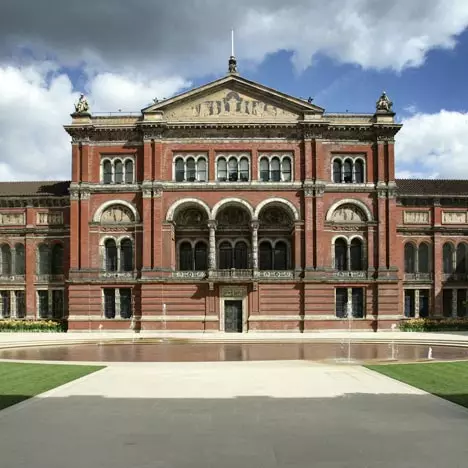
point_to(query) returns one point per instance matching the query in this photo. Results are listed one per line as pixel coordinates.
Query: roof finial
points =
(232, 59)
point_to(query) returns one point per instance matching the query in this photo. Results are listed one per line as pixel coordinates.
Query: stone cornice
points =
(35, 202)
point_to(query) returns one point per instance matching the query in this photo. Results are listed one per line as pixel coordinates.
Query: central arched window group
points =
(190, 168)
(417, 258)
(12, 261)
(50, 259)
(233, 254)
(349, 254)
(118, 255)
(455, 259)
(273, 255)
(233, 168)
(275, 168)
(193, 256)
(348, 170)
(118, 170)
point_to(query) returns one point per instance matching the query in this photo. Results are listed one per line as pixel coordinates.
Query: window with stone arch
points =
(348, 169)
(117, 170)
(20, 259)
(118, 255)
(349, 254)
(275, 168)
(6, 263)
(410, 257)
(274, 255)
(190, 168)
(461, 258)
(43, 259)
(448, 252)
(193, 255)
(233, 167)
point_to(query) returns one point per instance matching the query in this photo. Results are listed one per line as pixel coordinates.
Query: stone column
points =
(117, 302)
(13, 313)
(416, 303)
(454, 303)
(255, 226)
(50, 304)
(13, 261)
(212, 246)
(348, 256)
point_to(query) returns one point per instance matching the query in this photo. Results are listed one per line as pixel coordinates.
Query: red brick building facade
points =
(233, 207)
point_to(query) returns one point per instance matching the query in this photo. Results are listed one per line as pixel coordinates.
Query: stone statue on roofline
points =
(82, 106)
(384, 104)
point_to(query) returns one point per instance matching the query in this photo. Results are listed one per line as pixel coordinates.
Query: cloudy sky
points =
(343, 53)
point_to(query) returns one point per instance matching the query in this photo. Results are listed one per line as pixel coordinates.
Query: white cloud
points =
(433, 145)
(191, 38)
(39, 102)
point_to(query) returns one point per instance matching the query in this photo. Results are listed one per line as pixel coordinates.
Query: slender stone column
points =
(13, 313)
(348, 256)
(454, 302)
(212, 246)
(416, 303)
(255, 225)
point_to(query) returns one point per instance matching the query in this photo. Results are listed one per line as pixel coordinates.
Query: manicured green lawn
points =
(448, 380)
(19, 381)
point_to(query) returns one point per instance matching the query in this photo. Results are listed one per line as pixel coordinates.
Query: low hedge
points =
(52, 326)
(426, 325)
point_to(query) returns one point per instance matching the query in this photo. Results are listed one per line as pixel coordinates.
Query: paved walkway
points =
(244, 414)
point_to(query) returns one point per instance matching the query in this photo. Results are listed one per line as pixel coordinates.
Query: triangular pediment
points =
(233, 99)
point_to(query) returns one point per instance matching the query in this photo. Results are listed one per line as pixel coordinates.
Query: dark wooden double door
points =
(233, 316)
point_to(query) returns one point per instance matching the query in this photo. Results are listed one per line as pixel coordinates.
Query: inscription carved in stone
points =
(348, 214)
(416, 217)
(228, 103)
(117, 214)
(12, 218)
(233, 291)
(454, 217)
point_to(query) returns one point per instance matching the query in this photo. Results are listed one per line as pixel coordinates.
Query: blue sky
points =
(343, 53)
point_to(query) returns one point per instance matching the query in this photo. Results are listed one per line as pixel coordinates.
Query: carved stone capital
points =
(74, 194)
(255, 225)
(85, 195)
(212, 224)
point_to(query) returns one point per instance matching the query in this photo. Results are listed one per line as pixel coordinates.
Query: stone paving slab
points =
(234, 414)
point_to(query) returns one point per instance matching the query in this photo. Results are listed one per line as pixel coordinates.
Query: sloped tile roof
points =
(50, 188)
(432, 187)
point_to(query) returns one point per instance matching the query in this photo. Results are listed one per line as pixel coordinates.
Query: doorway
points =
(233, 316)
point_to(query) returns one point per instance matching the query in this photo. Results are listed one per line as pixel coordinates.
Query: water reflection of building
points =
(233, 207)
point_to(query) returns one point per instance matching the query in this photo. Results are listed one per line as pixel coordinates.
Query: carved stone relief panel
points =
(274, 217)
(454, 217)
(191, 217)
(348, 214)
(416, 217)
(229, 104)
(117, 214)
(50, 217)
(233, 216)
(233, 291)
(12, 218)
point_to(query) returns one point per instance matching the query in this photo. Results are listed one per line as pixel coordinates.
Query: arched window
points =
(232, 166)
(185, 257)
(179, 170)
(126, 255)
(341, 249)
(447, 256)
(348, 171)
(461, 258)
(286, 170)
(43, 260)
(201, 256)
(410, 258)
(57, 260)
(129, 171)
(280, 259)
(337, 171)
(264, 170)
(191, 172)
(244, 170)
(265, 256)
(111, 255)
(222, 170)
(275, 170)
(6, 259)
(201, 168)
(423, 258)
(241, 255)
(118, 174)
(225, 256)
(356, 254)
(358, 171)
(19, 259)
(107, 172)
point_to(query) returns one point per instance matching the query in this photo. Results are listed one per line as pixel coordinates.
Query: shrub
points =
(426, 325)
(53, 326)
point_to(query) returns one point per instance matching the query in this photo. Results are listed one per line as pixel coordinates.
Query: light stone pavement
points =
(234, 414)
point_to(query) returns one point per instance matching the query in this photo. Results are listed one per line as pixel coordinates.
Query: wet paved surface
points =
(173, 351)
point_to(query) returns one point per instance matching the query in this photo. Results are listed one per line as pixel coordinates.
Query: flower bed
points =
(429, 325)
(53, 326)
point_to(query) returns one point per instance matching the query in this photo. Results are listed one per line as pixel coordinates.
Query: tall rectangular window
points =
(357, 295)
(447, 295)
(341, 302)
(20, 304)
(43, 303)
(109, 303)
(5, 303)
(409, 303)
(125, 303)
(57, 303)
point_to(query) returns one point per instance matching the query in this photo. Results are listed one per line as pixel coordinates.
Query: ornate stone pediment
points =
(117, 214)
(348, 214)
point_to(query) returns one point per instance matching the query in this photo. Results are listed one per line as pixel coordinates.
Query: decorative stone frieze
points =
(454, 217)
(416, 217)
(49, 218)
(12, 218)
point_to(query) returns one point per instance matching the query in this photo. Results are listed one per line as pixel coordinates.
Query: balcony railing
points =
(50, 278)
(418, 276)
(117, 274)
(10, 278)
(275, 274)
(189, 274)
(231, 273)
(351, 274)
(455, 277)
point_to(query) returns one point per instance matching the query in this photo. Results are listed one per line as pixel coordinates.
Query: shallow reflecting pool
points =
(178, 351)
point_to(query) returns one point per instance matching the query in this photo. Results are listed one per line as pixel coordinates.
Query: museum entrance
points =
(233, 316)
